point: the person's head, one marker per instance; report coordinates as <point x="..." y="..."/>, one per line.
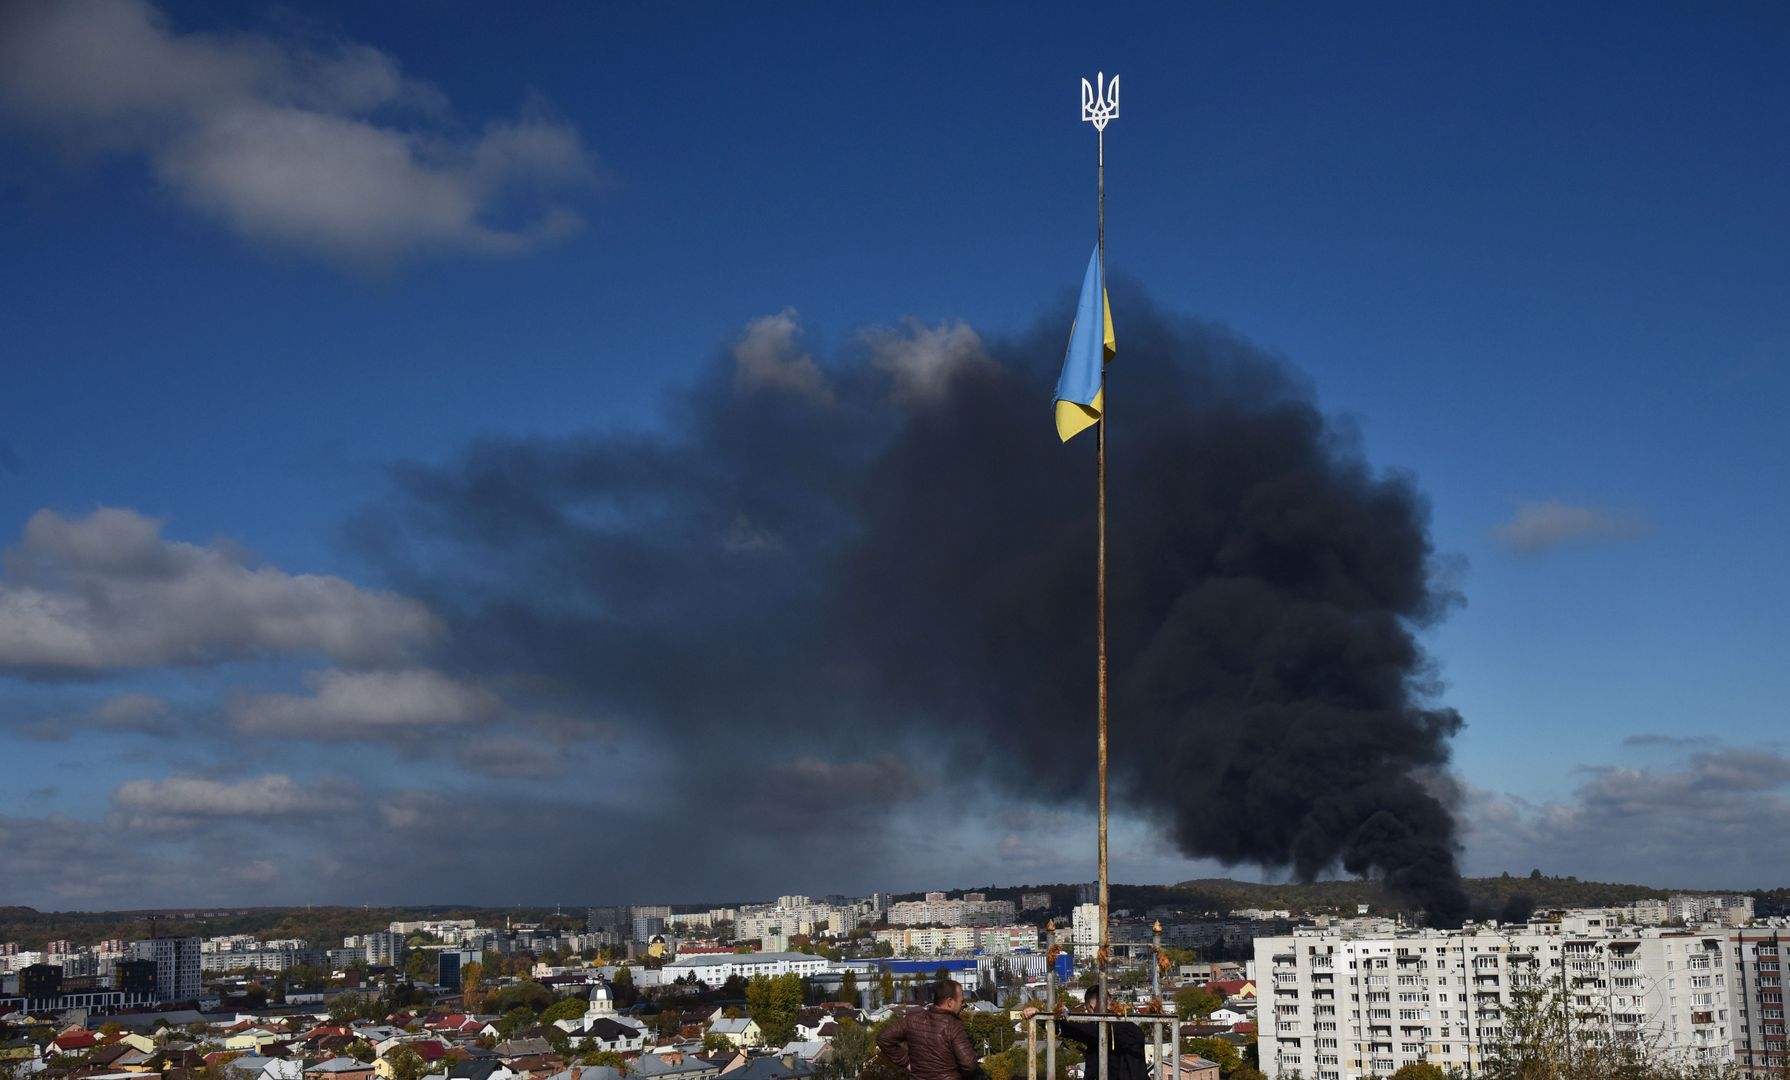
<point x="1093" y="999"/>
<point x="947" y="994"/>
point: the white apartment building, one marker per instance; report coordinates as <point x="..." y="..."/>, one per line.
<point x="758" y="923"/>
<point x="1756" y="986"/>
<point x="959" y="940"/>
<point x="1084" y="930"/>
<point x="717" y="968"/>
<point x="972" y="909"/>
<point x="1339" y="1007"/>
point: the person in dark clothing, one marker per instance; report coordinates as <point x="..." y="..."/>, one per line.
<point x="1124" y="1044"/>
<point x="932" y="1043"/>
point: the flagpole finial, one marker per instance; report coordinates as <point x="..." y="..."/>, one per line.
<point x="1100" y="101"/>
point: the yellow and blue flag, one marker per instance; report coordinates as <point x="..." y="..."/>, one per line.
<point x="1081" y="389"/>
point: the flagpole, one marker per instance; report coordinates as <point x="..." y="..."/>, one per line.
<point x="1100" y="104"/>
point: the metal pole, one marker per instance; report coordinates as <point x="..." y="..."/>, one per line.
<point x="1156" y="992"/>
<point x="1100" y="591"/>
<point x="1050" y="1003"/>
<point x="1099" y="105"/>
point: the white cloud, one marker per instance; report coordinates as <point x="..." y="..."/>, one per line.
<point x="84" y="596"/>
<point x="1701" y="821"/>
<point x="334" y="152"/>
<point x="923" y="359"/>
<point x="766" y="357"/>
<point x="1540" y="526"/>
<point x="185" y="801"/>
<point x="372" y="704"/>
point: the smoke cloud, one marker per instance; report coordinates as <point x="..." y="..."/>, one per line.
<point x="881" y="564"/>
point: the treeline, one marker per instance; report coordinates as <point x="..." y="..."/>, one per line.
<point x="1507" y="896"/>
<point x="321" y="926"/>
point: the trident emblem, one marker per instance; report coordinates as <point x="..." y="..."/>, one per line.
<point x="1100" y="101"/>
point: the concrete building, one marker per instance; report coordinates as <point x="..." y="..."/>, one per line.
<point x="755" y="923"/>
<point x="1084" y="930"/>
<point x="1341" y="1006"/>
<point x="972" y="909"/>
<point x="176" y="966"/>
<point x="716" y="968"/>
<point x="1756" y="985"/>
<point x="953" y="940"/>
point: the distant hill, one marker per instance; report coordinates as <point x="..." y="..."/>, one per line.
<point x="1506" y="895"/>
<point x="320" y="925"/>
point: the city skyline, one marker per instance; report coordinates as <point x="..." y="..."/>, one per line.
<point x="373" y="459"/>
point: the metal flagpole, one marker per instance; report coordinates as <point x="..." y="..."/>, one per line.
<point x="1099" y="106"/>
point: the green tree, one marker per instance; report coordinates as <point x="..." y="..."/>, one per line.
<point x="526" y="994"/>
<point x="775" y="1003"/>
<point x="883" y="948"/>
<point x="716" y="1044"/>
<point x="515" y="1020"/>
<point x="848" y="987"/>
<point x="885" y="987"/>
<point x="990" y="1033"/>
<point x="565" y="1009"/>
<point x="1543" y="1037"/>
<point x="344" y="1008"/>
<point x="606" y="1057"/>
<point x="420" y="966"/>
<point x="407" y="1064"/>
<point x="622" y="989"/>
<point x="853" y="1045"/>
<point x="1227" y="1056"/>
<point x="1196" y="1002"/>
<point x="1420" y="1070"/>
<point x="360" y="1050"/>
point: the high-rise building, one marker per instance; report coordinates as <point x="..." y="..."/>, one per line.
<point x="613" y="919"/>
<point x="176" y="966"/>
<point x="1341" y="1005"/>
<point x="380" y="949"/>
<point x="1756" y="987"/>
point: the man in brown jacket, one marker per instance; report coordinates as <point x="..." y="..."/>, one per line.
<point x="932" y="1043"/>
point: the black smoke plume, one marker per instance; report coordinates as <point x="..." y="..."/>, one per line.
<point x="890" y="557"/>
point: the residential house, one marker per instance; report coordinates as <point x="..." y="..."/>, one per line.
<point x="480" y="1068"/>
<point x="606" y="1034"/>
<point x="252" y="1067"/>
<point x="1193" y="1067"/>
<point x="339" y="1068"/>
<point x="588" y="1072"/>
<point x="674" y="1065"/>
<point x="741" y="1031"/>
<point x="773" y="1068"/>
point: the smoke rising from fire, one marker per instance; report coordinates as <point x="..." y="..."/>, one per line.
<point x="886" y="556"/>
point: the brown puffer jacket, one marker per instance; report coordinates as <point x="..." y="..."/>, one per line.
<point x="931" y="1044"/>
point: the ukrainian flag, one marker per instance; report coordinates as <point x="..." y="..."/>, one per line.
<point x="1081" y="391"/>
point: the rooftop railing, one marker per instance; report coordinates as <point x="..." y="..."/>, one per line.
<point x="1045" y="1025"/>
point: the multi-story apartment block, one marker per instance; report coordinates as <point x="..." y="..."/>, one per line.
<point x="383" y="949"/>
<point x="1756" y="983"/>
<point x="1084" y="930"/>
<point x="950" y="940"/>
<point x="973" y="909"/>
<point x="176" y="966"/>
<point x="756" y="923"/>
<point x="1337" y="1006"/>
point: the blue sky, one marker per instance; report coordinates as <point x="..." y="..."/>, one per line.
<point x="1534" y="255"/>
